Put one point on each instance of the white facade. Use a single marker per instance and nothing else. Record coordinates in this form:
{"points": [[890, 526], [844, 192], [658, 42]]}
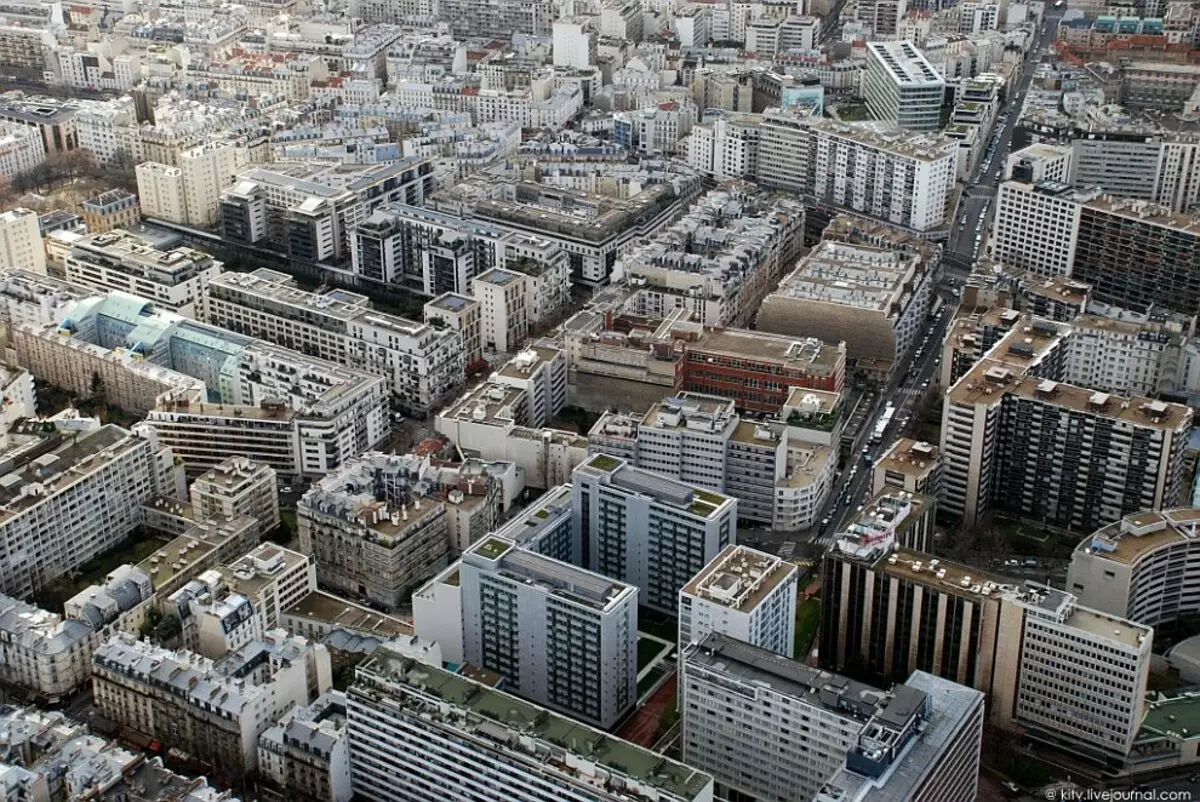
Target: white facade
{"points": [[743, 594], [1036, 227], [161, 192], [238, 486], [560, 636], [574, 43], [725, 148], [21, 149], [207, 171], [502, 297], [308, 751], [902, 87], [21, 241]]}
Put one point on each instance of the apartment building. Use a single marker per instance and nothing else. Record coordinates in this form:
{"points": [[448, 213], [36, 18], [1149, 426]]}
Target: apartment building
{"points": [[779, 473], [173, 279], [875, 300], [21, 241], [560, 636], [649, 531], [1130, 354], [43, 653], [504, 317], [719, 260], [1046, 215], [902, 87], [1017, 438], [461, 314], [1142, 567], [307, 753], [837, 164], [733, 697], [208, 170], [913, 466], [115, 208], [726, 148], [161, 192], [68, 498], [238, 486], [375, 529], [420, 363], [743, 594], [942, 765], [214, 711], [120, 603], [414, 726], [21, 149]]}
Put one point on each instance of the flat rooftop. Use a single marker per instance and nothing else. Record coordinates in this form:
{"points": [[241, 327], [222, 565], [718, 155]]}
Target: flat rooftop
{"points": [[740, 578], [1109, 627], [1173, 716], [909, 457], [859, 276], [958, 579], [1136, 536], [526, 363], [338, 612], [789, 352]]}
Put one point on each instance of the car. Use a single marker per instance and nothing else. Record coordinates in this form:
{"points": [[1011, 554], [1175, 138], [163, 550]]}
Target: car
{"points": [[1029, 562], [1011, 787], [1012, 563], [859, 508], [866, 450], [286, 489], [825, 521]]}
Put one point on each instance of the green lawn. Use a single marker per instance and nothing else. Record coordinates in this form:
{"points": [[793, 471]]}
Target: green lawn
{"points": [[808, 619], [132, 550], [647, 650]]}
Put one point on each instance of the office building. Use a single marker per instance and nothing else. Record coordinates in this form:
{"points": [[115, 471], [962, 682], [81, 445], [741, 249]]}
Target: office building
{"points": [[1144, 567], [837, 163], [560, 636], [238, 486], [172, 279], [780, 473], [21, 241], [874, 299], [115, 208], [651, 532], [901, 87], [909, 465], [414, 726], [377, 527], [943, 764], [307, 754], [76, 500], [420, 363], [743, 594], [215, 712], [770, 728], [1017, 438]]}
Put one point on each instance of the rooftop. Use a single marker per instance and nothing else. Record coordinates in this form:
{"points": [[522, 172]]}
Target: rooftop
{"points": [[1134, 537], [909, 457], [338, 612], [788, 352], [557, 578], [740, 578], [496, 721], [905, 63], [859, 276]]}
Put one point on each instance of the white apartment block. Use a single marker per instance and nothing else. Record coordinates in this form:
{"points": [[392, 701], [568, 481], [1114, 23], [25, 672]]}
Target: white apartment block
{"points": [[726, 148], [502, 297], [1036, 227], [76, 501], [719, 260], [421, 364], [561, 636], [42, 652], [308, 752], [117, 260], [1016, 437], [649, 531], [1144, 567], [1129, 354], [413, 727], [215, 712], [461, 314], [1040, 163], [207, 171], [21, 241], [540, 372], [238, 486], [161, 192], [21, 149], [874, 299], [902, 178], [901, 86], [779, 473], [743, 594], [1082, 674]]}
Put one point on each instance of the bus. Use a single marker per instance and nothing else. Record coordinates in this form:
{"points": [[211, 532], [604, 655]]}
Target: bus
{"points": [[881, 425], [937, 306]]}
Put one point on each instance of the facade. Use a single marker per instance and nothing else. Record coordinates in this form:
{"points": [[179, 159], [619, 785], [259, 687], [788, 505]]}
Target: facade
{"points": [[376, 528], [307, 753], [172, 279], [1143, 567], [909, 465], [236, 487], [726, 148], [743, 594], [414, 726], [43, 653], [21, 241], [115, 208], [462, 314], [215, 712], [837, 164], [161, 192], [1046, 214], [504, 314], [420, 363], [874, 299], [648, 531], [902, 87], [560, 636], [1017, 438], [21, 149]]}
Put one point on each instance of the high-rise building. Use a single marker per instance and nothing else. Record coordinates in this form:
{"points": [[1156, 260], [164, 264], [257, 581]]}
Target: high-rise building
{"points": [[414, 727], [745, 594], [560, 636], [21, 241], [1016, 437], [649, 531], [207, 171], [1045, 214], [161, 192], [901, 86], [238, 486]]}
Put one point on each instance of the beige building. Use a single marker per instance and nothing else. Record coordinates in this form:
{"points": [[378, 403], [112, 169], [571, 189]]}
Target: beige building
{"points": [[462, 314], [208, 170], [910, 465], [162, 193], [503, 298], [238, 486], [308, 754], [115, 208], [43, 653], [21, 241]]}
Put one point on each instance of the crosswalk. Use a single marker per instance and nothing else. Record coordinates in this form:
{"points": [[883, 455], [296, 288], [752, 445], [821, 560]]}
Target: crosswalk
{"points": [[912, 392]]}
